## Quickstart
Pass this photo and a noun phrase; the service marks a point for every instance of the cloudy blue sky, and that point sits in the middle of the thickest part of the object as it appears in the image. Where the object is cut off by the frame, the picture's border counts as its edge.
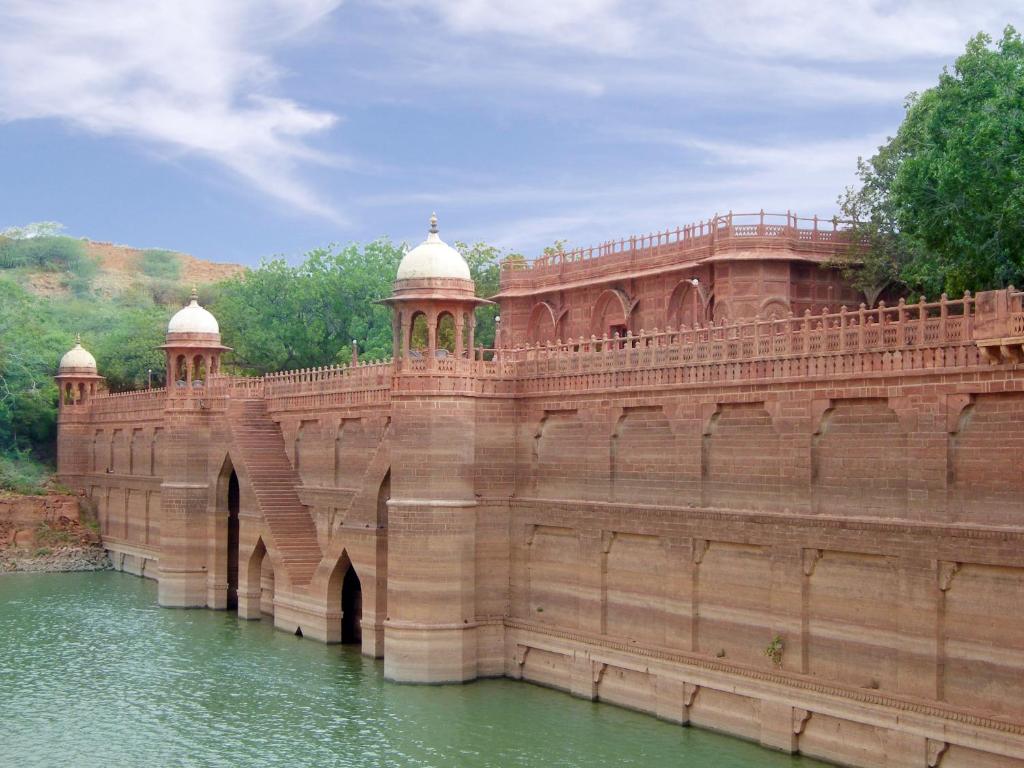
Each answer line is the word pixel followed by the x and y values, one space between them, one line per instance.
pixel 246 128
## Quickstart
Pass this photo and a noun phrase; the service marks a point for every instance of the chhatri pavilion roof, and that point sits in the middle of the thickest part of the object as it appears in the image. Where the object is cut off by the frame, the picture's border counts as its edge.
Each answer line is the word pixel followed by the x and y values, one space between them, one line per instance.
pixel 433 258
pixel 77 360
pixel 192 318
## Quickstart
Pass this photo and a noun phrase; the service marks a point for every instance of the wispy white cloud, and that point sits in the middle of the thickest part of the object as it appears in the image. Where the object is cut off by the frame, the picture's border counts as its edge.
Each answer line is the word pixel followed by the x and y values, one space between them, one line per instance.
pixel 719 176
pixel 187 76
pixel 853 30
pixel 789 49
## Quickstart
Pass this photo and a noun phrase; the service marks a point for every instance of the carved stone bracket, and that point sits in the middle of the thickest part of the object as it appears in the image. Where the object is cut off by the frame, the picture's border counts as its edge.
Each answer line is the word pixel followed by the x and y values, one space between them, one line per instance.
pixel 955 405
pixel 946 571
pixel 707 415
pixel 607 538
pixel 529 531
pixel 689 694
pixel 521 651
pixel 906 414
pixel 935 750
pixel 597 669
pixel 810 560
pixel 700 547
pixel 818 410
pixel 800 718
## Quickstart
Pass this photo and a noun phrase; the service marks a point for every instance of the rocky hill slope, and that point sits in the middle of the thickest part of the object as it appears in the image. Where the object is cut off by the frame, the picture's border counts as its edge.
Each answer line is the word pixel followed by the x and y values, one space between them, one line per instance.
pixel 121 267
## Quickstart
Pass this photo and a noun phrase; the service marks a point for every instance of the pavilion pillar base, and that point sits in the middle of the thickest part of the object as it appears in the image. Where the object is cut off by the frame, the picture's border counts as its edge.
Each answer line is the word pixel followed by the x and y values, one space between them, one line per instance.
pixel 430 654
pixel 249 605
pixel 182 589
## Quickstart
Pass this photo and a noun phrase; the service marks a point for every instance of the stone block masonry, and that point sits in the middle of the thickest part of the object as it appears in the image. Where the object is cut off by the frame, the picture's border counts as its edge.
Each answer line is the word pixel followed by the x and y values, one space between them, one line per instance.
pixel 799 523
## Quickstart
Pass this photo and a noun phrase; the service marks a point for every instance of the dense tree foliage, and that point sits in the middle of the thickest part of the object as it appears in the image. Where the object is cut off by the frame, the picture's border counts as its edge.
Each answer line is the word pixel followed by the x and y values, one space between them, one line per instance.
pixel 280 317
pixel 35 332
pixel 39 248
pixel 160 264
pixel 941 205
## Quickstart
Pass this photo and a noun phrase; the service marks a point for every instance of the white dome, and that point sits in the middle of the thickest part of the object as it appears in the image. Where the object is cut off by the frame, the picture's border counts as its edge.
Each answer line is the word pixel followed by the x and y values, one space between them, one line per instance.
pixel 433 258
pixel 78 358
pixel 192 318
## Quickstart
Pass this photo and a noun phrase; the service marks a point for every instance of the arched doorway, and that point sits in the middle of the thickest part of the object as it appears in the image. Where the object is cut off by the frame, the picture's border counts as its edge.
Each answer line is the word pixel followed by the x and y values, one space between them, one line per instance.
pixel 351 608
pixel 541 327
pixel 611 314
pixel 685 308
pixel 383 495
pixel 233 503
pixel 259 583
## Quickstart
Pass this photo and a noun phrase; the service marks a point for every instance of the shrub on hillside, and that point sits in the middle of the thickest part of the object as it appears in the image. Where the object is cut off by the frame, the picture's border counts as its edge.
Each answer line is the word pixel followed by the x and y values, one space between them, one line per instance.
pixel 20 473
pixel 49 253
pixel 160 264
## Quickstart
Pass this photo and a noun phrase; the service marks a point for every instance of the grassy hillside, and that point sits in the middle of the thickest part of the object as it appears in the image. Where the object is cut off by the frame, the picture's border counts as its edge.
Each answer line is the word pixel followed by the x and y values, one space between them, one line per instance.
pixel 275 317
pixel 53 287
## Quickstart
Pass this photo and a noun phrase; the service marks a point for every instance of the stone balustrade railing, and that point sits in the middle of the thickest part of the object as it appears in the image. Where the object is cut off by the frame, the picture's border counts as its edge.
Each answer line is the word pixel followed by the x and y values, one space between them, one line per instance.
pixel 675 246
pixel 348 385
pixel 902 337
pixel 885 327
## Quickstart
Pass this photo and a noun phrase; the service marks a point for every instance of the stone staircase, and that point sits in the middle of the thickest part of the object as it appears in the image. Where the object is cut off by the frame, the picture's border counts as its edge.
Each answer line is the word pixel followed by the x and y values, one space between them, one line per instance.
pixel 273 481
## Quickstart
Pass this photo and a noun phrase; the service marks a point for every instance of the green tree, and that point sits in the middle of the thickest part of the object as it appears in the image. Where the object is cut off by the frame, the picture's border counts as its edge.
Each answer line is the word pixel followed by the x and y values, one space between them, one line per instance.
pixel 941 205
pixel 279 317
pixel 485 268
pixel 36 331
pixel 160 264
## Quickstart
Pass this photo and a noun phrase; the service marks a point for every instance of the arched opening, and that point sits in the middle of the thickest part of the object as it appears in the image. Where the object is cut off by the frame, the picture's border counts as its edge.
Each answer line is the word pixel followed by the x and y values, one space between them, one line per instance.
pixel 609 315
pixel 233 505
pixel 685 308
pixel 261 572
pixel 383 494
pixel 774 308
pixel 351 608
pixel 720 311
pixel 338 445
pixel 541 327
pixel 266 586
pixel 180 371
pixel 260 581
pixel 344 589
pixel 198 371
pixel 445 334
pixel 418 335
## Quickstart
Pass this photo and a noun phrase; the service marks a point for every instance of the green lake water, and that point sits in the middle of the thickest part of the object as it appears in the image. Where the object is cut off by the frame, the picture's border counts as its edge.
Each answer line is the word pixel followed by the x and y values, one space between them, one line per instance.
pixel 93 673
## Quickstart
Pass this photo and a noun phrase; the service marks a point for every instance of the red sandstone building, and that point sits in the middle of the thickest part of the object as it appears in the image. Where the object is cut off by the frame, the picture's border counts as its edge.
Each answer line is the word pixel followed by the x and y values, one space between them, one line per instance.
pixel 698 478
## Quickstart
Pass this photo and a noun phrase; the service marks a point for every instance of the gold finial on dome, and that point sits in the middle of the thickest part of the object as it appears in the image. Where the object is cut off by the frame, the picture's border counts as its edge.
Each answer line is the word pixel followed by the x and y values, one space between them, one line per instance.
pixel 433 223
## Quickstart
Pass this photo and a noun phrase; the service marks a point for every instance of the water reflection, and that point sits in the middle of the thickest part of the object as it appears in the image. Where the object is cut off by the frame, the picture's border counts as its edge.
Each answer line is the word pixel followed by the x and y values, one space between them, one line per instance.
pixel 93 673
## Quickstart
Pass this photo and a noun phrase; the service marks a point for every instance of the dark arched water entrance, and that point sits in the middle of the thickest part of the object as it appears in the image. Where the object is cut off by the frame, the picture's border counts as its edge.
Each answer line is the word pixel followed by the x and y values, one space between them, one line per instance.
pixel 351 608
pixel 233 501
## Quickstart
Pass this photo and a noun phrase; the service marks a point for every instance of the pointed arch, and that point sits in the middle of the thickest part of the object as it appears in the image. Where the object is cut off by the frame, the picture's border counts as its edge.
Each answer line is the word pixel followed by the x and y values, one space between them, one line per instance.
pixel 260 577
pixel 685 306
pixel 344 589
pixel 612 312
pixel 774 307
pixel 542 325
pixel 226 529
pixel 383 496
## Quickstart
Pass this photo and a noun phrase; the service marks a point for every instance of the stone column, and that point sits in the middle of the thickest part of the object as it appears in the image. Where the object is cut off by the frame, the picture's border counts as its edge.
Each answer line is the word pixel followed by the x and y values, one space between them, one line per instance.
pixel 430 629
pixel 184 496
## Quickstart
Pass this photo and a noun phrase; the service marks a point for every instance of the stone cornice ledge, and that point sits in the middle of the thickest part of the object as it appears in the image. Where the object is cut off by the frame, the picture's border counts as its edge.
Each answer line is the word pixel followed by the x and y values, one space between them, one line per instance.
pixel 887 525
pixel 791 680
